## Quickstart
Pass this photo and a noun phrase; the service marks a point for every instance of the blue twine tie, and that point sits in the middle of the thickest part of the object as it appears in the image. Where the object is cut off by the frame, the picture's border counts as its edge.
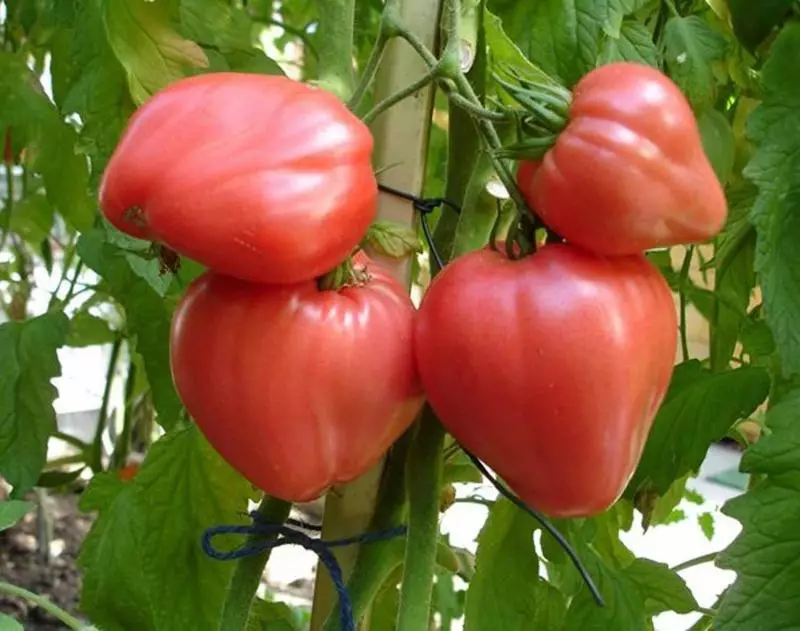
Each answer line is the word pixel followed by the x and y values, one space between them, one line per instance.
pixel 288 533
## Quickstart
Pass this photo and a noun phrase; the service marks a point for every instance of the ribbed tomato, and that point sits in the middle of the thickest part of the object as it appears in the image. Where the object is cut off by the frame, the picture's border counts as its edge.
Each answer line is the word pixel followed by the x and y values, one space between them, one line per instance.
pixel 260 177
pixel 628 172
pixel 550 368
pixel 298 389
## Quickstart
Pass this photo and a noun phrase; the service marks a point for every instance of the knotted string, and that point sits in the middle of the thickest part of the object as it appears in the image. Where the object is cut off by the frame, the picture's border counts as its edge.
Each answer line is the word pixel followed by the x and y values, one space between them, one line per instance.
pixel 290 533
pixel 425 207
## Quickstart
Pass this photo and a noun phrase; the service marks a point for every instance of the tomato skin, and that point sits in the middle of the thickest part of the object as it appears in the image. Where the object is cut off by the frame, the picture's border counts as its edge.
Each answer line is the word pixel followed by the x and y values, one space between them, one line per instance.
pixel 550 369
pixel 298 389
pixel 259 177
pixel 629 172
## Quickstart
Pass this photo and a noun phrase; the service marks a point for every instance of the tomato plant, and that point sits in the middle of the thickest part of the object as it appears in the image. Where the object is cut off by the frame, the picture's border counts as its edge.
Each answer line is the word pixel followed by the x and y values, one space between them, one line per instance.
pixel 292 412
pixel 260 177
pixel 628 172
pixel 545 410
pixel 549 197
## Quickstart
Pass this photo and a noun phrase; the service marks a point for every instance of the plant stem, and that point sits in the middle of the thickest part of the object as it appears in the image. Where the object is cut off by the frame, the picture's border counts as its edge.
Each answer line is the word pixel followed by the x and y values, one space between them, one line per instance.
pixel 9 206
pixel 687 262
pixel 71 289
pixel 371 67
pixel 476 110
pixel 71 440
pixel 706 558
pixel 336 18
pixel 249 570
pixel 67 262
pixel 378 560
pixel 43 603
pixel 123 446
pixel 672 8
pixel 424 481
pixel 96 459
pixel 395 98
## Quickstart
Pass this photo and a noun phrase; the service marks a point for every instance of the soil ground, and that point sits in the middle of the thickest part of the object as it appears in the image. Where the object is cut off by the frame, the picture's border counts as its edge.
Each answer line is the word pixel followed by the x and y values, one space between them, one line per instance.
pixel 21 564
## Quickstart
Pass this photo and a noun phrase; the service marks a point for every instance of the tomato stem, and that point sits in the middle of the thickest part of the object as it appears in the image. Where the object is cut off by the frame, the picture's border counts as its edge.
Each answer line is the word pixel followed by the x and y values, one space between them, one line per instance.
pixel 377 561
pixel 44 603
pixel 395 98
pixel 706 558
pixel 336 19
pixel 684 277
pixel 370 69
pixel 96 458
pixel 423 483
pixel 344 275
pixel 248 571
pixel 5 229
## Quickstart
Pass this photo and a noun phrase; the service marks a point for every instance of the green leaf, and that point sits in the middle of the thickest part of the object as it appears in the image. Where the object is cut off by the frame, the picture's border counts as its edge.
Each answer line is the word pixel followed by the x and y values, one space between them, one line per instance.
pixel 753 21
pixel 145 543
pixel 507 592
pixel 693 497
pixel 393 239
pixel 634 43
pixel 89 81
pixel 28 362
pixel 148 317
pixel 719 144
pixel 661 509
pixel 664 590
pixel 765 553
pixel 51 141
pixel 11 511
pixel 624 600
pixel 700 408
pixel 757 340
pixel 446 600
pixel 564 37
pixel 706 523
pixel 459 468
pixel 735 278
pixel 152 53
pixel 33 218
pixel 690 47
pixel 7 623
pixel 775 169
pixel 225 31
pixel 88 330
pixel 57 478
pixel 271 616
pixel 506 53
pixel 386 603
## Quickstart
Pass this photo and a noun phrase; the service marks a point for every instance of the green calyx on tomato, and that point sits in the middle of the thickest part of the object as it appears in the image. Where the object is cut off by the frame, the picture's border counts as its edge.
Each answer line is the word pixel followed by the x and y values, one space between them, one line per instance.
pixel 297 388
pixel 628 172
pixel 562 418
pixel 258 177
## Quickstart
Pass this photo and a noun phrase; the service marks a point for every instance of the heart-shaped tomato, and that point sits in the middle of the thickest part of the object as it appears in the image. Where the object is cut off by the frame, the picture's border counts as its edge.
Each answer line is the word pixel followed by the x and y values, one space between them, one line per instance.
pixel 550 368
pixel 256 176
pixel 628 172
pixel 298 389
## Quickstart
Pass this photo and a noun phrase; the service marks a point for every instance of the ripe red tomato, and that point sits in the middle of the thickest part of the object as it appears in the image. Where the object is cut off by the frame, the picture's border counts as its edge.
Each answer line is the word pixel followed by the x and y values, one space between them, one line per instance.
pixel 550 368
pixel 258 177
pixel 298 389
pixel 628 172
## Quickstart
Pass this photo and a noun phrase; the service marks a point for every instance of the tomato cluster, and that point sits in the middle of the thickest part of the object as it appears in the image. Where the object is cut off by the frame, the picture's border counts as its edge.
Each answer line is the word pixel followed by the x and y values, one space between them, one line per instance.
pixel 550 367
pixel 269 183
